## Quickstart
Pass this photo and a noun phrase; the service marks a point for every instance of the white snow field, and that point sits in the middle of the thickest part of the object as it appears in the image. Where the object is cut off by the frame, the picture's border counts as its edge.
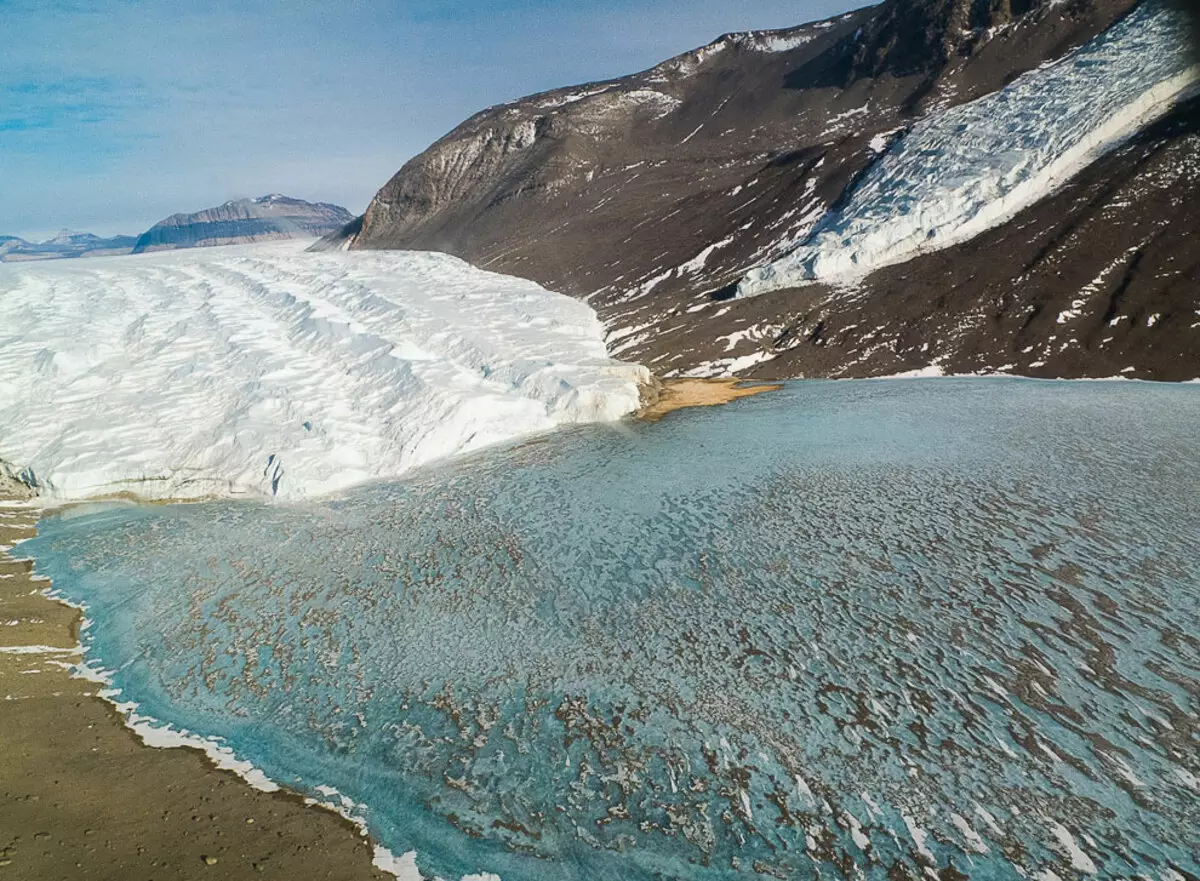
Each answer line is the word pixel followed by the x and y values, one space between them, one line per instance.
pixel 265 370
pixel 965 169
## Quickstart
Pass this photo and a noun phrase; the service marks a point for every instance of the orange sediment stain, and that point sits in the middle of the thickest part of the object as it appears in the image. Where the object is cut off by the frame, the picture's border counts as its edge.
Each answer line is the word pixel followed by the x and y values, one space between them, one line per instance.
pixel 678 394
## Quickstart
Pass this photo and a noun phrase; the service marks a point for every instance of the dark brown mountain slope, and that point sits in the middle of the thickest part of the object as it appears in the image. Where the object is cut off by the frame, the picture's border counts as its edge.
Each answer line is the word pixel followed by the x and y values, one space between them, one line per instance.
pixel 1100 279
pixel 646 194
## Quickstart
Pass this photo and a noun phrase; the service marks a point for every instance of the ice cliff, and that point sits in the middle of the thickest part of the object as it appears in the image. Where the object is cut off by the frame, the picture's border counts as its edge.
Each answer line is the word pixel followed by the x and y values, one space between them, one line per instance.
pixel 263 370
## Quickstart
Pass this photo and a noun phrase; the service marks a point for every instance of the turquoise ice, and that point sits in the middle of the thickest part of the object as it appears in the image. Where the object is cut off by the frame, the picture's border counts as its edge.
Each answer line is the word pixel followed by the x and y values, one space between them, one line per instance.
pixel 864 629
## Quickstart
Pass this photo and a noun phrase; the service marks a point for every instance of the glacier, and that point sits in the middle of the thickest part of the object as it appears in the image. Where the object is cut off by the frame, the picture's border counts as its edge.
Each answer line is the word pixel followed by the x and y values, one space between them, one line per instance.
pixel 965 169
pixel 266 371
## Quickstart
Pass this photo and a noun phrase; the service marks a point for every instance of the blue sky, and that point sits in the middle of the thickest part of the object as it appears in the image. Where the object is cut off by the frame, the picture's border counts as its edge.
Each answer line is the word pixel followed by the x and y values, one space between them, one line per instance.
pixel 114 114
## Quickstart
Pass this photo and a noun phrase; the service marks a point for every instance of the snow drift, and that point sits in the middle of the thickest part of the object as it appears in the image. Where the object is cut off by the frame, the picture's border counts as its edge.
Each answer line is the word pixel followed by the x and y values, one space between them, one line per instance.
pixel 966 169
pixel 265 370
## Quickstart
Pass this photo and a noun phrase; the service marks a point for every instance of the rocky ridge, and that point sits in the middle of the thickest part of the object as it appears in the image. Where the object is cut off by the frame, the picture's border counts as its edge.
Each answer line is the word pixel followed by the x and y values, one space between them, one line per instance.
pixel 241 221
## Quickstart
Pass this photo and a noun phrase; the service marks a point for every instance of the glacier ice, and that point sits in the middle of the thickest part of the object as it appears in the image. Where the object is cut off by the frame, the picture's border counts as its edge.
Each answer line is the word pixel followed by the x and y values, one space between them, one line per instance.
pixel 968 168
pixel 265 370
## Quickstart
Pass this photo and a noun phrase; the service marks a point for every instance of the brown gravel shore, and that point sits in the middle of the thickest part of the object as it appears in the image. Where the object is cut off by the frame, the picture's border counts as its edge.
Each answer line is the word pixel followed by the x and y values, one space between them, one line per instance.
pixel 82 799
pixel 677 394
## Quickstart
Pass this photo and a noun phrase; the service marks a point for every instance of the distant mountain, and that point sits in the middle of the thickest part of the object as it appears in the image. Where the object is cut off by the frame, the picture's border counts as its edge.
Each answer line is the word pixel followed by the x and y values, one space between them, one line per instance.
pixel 244 220
pixel 236 222
pixel 922 185
pixel 65 244
pixel 69 238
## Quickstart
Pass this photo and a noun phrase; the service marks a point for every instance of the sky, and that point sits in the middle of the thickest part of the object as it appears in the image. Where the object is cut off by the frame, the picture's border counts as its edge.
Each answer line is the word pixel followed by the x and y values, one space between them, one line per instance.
pixel 116 114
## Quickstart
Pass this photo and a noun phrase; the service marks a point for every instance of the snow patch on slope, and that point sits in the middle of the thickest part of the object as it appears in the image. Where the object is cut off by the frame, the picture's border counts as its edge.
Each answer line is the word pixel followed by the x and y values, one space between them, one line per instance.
pixel 656 103
pixel 571 98
pixel 785 40
pixel 265 370
pixel 964 170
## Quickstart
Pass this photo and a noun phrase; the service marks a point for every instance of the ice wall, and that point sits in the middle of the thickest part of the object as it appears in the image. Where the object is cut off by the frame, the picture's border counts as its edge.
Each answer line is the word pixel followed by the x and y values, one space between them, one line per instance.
pixel 265 370
pixel 969 168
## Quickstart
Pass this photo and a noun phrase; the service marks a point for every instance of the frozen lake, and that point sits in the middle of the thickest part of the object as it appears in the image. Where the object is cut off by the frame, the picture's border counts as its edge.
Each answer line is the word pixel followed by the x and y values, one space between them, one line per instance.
pixel 860 629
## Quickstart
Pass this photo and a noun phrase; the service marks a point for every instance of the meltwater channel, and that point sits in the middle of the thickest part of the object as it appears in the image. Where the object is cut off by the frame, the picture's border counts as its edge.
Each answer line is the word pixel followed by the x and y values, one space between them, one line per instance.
pixel 867 629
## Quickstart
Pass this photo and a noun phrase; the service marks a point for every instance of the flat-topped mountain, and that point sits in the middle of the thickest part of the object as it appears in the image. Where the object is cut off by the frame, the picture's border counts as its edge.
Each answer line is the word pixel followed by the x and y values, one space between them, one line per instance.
pixel 932 185
pixel 242 221
pixel 263 219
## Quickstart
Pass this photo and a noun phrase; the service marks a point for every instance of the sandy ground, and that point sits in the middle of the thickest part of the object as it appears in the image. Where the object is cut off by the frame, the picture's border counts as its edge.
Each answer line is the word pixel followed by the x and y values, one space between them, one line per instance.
pixel 676 394
pixel 82 799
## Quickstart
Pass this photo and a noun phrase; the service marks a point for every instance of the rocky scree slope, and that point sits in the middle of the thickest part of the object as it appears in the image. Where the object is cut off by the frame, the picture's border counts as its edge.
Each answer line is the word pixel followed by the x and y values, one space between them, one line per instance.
pixel 654 196
pixel 267 218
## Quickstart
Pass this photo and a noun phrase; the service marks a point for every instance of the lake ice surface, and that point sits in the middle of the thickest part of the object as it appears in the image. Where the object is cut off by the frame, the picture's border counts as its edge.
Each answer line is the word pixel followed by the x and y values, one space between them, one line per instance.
pixel 858 629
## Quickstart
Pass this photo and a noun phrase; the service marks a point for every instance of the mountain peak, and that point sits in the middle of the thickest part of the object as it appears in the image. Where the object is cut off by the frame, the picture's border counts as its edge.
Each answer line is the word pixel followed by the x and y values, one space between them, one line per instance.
pixel 658 195
pixel 265 218
pixel 66 243
pixel 66 237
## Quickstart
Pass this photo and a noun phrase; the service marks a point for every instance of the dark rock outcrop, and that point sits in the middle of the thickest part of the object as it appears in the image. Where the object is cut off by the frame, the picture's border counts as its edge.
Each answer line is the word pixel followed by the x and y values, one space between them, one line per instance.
pixel 246 220
pixel 647 194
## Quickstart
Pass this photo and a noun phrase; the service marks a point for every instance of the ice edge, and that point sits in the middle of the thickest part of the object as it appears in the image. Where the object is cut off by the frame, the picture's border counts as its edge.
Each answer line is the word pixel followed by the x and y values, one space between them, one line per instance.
pixel 157 734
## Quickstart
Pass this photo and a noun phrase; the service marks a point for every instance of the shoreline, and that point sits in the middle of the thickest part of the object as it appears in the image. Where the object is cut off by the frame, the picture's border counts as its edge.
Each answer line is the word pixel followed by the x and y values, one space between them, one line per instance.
pixel 84 796
pixel 144 799
pixel 92 787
